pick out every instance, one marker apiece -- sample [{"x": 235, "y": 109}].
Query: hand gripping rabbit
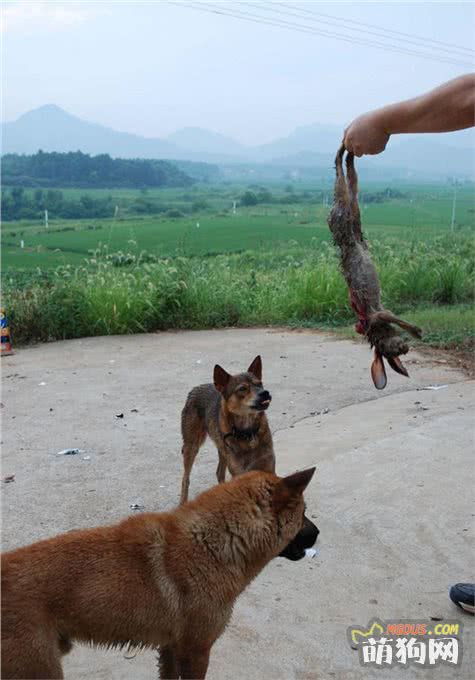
[{"x": 360, "y": 274}]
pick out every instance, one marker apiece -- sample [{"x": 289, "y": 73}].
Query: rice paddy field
[{"x": 210, "y": 265}]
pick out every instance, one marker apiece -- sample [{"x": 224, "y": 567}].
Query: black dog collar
[{"x": 247, "y": 434}]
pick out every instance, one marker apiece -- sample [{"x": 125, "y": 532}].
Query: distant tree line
[
  {"x": 199, "y": 171},
  {"x": 18, "y": 205},
  {"x": 76, "y": 169},
  {"x": 381, "y": 196},
  {"x": 250, "y": 198},
  {"x": 261, "y": 195}
]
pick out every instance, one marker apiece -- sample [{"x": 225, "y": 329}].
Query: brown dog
[
  {"x": 166, "y": 580},
  {"x": 231, "y": 412}
]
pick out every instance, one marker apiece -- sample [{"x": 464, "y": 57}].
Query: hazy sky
[{"x": 153, "y": 67}]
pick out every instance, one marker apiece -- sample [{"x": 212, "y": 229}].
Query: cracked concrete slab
[{"x": 393, "y": 495}]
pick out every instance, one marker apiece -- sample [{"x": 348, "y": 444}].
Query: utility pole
[
  {"x": 454, "y": 205},
  {"x": 234, "y": 207},
  {"x": 46, "y": 219}
]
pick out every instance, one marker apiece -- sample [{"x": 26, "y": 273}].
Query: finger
[
  {"x": 374, "y": 152},
  {"x": 348, "y": 144}
]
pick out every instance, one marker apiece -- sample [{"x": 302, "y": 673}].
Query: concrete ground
[{"x": 392, "y": 495}]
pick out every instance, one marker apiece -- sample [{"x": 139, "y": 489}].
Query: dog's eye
[{"x": 242, "y": 389}]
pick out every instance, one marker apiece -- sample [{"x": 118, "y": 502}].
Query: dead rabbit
[{"x": 360, "y": 274}]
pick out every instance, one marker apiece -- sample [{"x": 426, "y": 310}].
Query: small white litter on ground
[
  {"x": 137, "y": 504},
  {"x": 69, "y": 452}
]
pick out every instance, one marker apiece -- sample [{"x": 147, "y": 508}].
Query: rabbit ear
[
  {"x": 378, "y": 372},
  {"x": 397, "y": 365}
]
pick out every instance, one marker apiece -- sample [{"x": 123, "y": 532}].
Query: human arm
[{"x": 449, "y": 107}]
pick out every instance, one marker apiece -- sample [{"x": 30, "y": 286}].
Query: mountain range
[{"x": 50, "y": 128}]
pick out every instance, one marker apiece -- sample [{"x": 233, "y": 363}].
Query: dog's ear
[
  {"x": 298, "y": 482},
  {"x": 378, "y": 372},
  {"x": 256, "y": 367},
  {"x": 221, "y": 378},
  {"x": 290, "y": 487}
]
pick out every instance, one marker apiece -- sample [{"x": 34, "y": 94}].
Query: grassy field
[
  {"x": 266, "y": 264},
  {"x": 424, "y": 216}
]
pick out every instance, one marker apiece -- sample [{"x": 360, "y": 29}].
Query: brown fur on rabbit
[{"x": 361, "y": 276}]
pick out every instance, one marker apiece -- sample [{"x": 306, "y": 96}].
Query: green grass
[
  {"x": 266, "y": 265},
  {"x": 446, "y": 327},
  {"x": 287, "y": 285},
  {"x": 164, "y": 237},
  {"x": 422, "y": 215}
]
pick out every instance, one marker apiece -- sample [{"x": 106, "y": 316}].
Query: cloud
[{"x": 28, "y": 17}]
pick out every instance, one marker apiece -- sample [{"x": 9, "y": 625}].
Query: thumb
[{"x": 348, "y": 144}]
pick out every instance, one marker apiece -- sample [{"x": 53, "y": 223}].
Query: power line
[
  {"x": 247, "y": 16},
  {"x": 339, "y": 36},
  {"x": 469, "y": 50},
  {"x": 380, "y": 32},
  {"x": 302, "y": 28}
]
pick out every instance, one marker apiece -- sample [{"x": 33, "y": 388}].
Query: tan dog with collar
[{"x": 231, "y": 411}]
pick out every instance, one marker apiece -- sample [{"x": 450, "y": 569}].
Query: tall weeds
[{"x": 116, "y": 293}]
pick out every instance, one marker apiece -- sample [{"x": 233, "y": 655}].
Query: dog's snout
[
  {"x": 308, "y": 534},
  {"x": 264, "y": 395},
  {"x": 305, "y": 538},
  {"x": 262, "y": 400}
]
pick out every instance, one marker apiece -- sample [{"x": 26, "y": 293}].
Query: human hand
[{"x": 366, "y": 135}]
